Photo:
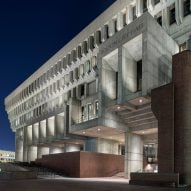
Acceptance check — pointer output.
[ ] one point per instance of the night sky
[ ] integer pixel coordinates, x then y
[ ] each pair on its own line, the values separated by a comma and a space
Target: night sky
30, 33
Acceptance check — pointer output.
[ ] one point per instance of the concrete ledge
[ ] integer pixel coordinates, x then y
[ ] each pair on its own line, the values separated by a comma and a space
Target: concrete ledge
17, 175
155, 179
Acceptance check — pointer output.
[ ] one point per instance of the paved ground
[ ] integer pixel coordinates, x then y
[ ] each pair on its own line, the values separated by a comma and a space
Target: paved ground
73, 184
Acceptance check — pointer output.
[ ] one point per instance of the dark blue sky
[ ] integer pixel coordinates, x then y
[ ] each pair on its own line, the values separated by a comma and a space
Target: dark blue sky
30, 33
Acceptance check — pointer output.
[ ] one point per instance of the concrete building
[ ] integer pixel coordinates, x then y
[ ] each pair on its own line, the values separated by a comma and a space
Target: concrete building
7, 156
96, 93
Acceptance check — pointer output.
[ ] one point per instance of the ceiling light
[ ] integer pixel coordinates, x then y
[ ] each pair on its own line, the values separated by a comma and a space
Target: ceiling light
84, 132
140, 101
98, 129
118, 107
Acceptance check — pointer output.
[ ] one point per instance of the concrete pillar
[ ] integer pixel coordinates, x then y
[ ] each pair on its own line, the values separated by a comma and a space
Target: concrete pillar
29, 134
133, 153
181, 10
111, 28
32, 153
119, 21
165, 18
42, 151
35, 132
150, 5
25, 153
42, 129
104, 33
19, 145
177, 12
59, 124
51, 126
129, 72
139, 8
129, 14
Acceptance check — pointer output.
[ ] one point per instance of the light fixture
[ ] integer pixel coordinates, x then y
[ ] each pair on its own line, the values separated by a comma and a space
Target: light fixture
143, 132
98, 129
84, 132
118, 107
140, 101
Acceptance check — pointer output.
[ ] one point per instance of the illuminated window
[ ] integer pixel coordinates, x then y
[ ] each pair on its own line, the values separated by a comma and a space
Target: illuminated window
182, 47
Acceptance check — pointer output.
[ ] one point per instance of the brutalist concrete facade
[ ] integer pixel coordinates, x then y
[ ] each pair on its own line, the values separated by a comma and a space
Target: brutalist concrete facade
98, 93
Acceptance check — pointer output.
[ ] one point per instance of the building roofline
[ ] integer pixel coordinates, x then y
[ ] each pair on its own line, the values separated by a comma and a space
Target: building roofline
99, 21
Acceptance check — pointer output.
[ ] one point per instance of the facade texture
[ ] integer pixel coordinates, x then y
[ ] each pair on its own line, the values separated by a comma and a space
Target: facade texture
96, 94
7, 156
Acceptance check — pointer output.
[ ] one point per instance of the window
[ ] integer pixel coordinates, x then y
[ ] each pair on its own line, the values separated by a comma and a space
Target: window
134, 13
124, 19
186, 7
182, 47
106, 28
83, 113
139, 75
159, 19
88, 66
82, 90
144, 5
172, 15
115, 25
91, 88
156, 2
90, 111
96, 108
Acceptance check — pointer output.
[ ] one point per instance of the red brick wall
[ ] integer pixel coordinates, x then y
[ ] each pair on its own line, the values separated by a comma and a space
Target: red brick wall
163, 107
84, 164
100, 165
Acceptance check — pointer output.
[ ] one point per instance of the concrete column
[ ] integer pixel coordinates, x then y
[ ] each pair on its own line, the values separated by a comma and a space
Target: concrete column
35, 132
120, 88
103, 34
51, 126
42, 151
29, 134
165, 18
129, 14
129, 72
177, 12
59, 124
133, 153
32, 153
119, 21
25, 153
19, 145
139, 8
181, 10
111, 28
42, 129
150, 5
